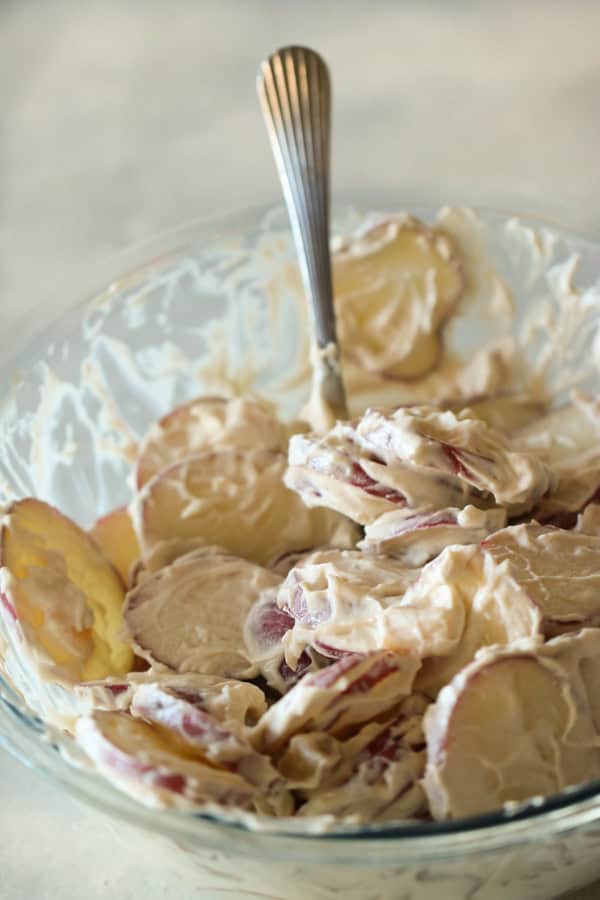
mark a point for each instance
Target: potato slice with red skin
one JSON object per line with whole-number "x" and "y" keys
{"x": 524, "y": 581}
{"x": 264, "y": 629}
{"x": 578, "y": 655}
{"x": 413, "y": 459}
{"x": 338, "y": 699}
{"x": 189, "y": 616}
{"x": 117, "y": 540}
{"x": 175, "y": 711}
{"x": 315, "y": 759}
{"x": 344, "y": 601}
{"x": 208, "y": 422}
{"x": 395, "y": 282}
{"x": 377, "y": 778}
{"x": 516, "y": 723}
{"x": 559, "y": 570}
{"x": 418, "y": 538}
{"x": 329, "y": 471}
{"x": 166, "y": 553}
{"x": 237, "y": 499}
{"x": 154, "y": 769}
{"x": 497, "y": 610}
{"x": 235, "y": 704}
{"x": 482, "y": 460}
{"x": 66, "y": 598}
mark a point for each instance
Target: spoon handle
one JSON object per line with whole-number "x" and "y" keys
{"x": 295, "y": 95}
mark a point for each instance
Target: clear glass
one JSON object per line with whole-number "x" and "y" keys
{"x": 218, "y": 307}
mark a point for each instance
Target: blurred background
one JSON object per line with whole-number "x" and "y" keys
{"x": 120, "y": 120}
{"x": 123, "y": 119}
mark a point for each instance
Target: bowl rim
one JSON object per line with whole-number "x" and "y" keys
{"x": 497, "y": 828}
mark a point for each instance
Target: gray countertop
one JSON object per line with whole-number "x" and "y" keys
{"x": 121, "y": 120}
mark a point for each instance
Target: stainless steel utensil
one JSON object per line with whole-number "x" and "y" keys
{"x": 294, "y": 91}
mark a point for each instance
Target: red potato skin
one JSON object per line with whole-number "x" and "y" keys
{"x": 425, "y": 522}
{"x": 330, "y": 652}
{"x": 119, "y": 760}
{"x": 328, "y": 676}
{"x": 107, "y": 516}
{"x": 361, "y": 480}
{"x": 443, "y": 744}
{"x": 129, "y": 766}
{"x": 184, "y": 407}
{"x": 276, "y": 622}
{"x": 189, "y": 721}
{"x": 115, "y": 758}
{"x": 200, "y": 730}
{"x": 8, "y": 605}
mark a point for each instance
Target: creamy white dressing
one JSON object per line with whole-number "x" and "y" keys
{"x": 350, "y": 602}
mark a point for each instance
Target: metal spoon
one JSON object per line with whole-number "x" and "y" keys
{"x": 295, "y": 95}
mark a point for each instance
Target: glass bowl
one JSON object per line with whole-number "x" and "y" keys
{"x": 218, "y": 308}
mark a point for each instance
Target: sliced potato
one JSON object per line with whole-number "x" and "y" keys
{"x": 375, "y": 776}
{"x": 240, "y": 422}
{"x": 328, "y": 471}
{"x": 395, "y": 285}
{"x": 418, "y": 459}
{"x": 264, "y": 629}
{"x": 178, "y": 713}
{"x": 344, "y": 601}
{"x": 67, "y": 597}
{"x": 189, "y": 616}
{"x": 338, "y": 699}
{"x": 482, "y": 460}
{"x": 237, "y": 499}
{"x": 236, "y": 704}
{"x": 418, "y": 537}
{"x": 117, "y": 540}
{"x": 568, "y": 440}
{"x": 497, "y": 610}
{"x": 156, "y": 768}
{"x": 516, "y": 723}
{"x": 558, "y": 570}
